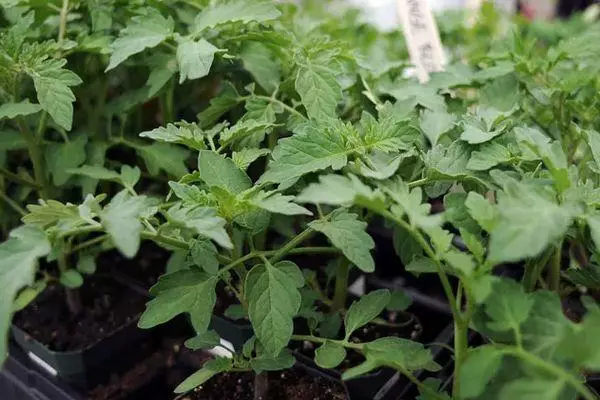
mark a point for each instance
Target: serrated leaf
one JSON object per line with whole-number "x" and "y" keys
{"x": 189, "y": 135}
{"x": 593, "y": 141}
{"x": 262, "y": 64}
{"x": 527, "y": 224}
{"x": 204, "y": 255}
{"x": 319, "y": 89}
{"x": 13, "y": 110}
{"x": 273, "y": 301}
{"x": 189, "y": 291}
{"x": 96, "y": 172}
{"x": 482, "y": 211}
{"x": 209, "y": 369}
{"x": 277, "y": 204}
{"x": 227, "y": 99}
{"x": 340, "y": 190}
{"x": 52, "y": 83}
{"x": 347, "y": 233}
{"x": 235, "y": 11}
{"x": 478, "y": 369}
{"x": 18, "y": 265}
{"x": 421, "y": 265}
{"x": 330, "y": 355}
{"x": 247, "y": 156}
{"x": 508, "y": 306}
{"x": 364, "y": 310}
{"x": 457, "y": 213}
{"x": 204, "y": 221}
{"x": 166, "y": 157}
{"x": 194, "y": 58}
{"x": 216, "y": 170}
{"x": 394, "y": 352}
{"x": 435, "y": 123}
{"x": 144, "y": 31}
{"x": 71, "y": 279}
{"x": 121, "y": 220}
{"x": 62, "y": 157}
{"x": 206, "y": 340}
{"x": 488, "y": 156}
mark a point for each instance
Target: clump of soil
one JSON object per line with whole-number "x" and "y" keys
{"x": 107, "y": 307}
{"x": 294, "y": 384}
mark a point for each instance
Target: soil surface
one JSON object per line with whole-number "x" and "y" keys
{"x": 107, "y": 306}
{"x": 294, "y": 384}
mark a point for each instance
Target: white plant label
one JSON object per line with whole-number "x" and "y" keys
{"x": 422, "y": 37}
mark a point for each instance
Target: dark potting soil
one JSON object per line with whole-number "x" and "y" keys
{"x": 294, "y": 384}
{"x": 107, "y": 306}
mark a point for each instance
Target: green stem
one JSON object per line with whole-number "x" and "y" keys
{"x": 554, "y": 273}
{"x": 281, "y": 103}
{"x": 37, "y": 159}
{"x": 460, "y": 352}
{"x": 418, "y": 182}
{"x": 88, "y": 243}
{"x": 431, "y": 394}
{"x": 18, "y": 179}
{"x": 305, "y": 234}
{"x": 533, "y": 270}
{"x": 340, "y": 294}
{"x": 315, "y": 339}
{"x": 542, "y": 364}
{"x": 62, "y": 27}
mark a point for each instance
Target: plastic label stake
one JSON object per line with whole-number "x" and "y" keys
{"x": 422, "y": 37}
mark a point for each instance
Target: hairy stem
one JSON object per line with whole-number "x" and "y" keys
{"x": 340, "y": 294}
{"x": 18, "y": 179}
{"x": 554, "y": 273}
{"x": 12, "y": 204}
{"x": 282, "y": 252}
{"x": 37, "y": 158}
{"x": 62, "y": 27}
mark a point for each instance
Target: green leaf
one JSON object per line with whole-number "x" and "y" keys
{"x": 204, "y": 221}
{"x": 394, "y": 352}
{"x": 546, "y": 327}
{"x": 121, "y": 219}
{"x": 273, "y": 301}
{"x": 339, "y": 190}
{"x": 86, "y": 264}
{"x": 219, "y": 105}
{"x": 319, "y": 89}
{"x": 364, "y": 310}
{"x": 166, "y": 157}
{"x": 501, "y": 93}
{"x": 189, "y": 135}
{"x": 52, "y": 83}
{"x": 96, "y": 172}
{"x": 476, "y": 131}
{"x": 487, "y": 156}
{"x": 478, "y": 369}
{"x": 188, "y": 291}
{"x": 146, "y": 30}
{"x": 399, "y": 301}
{"x": 235, "y": 11}
{"x": 457, "y": 213}
{"x": 247, "y": 156}
{"x": 71, "y": 279}
{"x": 581, "y": 344}
{"x": 527, "y": 224}
{"x": 27, "y": 295}
{"x": 405, "y": 245}
{"x": 262, "y": 64}
{"x": 277, "y": 203}
{"x": 235, "y": 312}
{"x": 13, "y": 110}
{"x": 18, "y": 264}
{"x": 285, "y": 360}
{"x": 348, "y": 233}
{"x": 209, "y": 369}
{"x": 533, "y": 389}
{"x": 330, "y": 355}
{"x": 594, "y": 224}
{"x": 216, "y": 170}
{"x": 204, "y": 255}
{"x": 473, "y": 244}
{"x": 482, "y": 211}
{"x": 421, "y": 265}
{"x": 62, "y": 157}
{"x": 435, "y": 123}
{"x": 508, "y": 306}
{"x": 202, "y": 341}
{"x": 593, "y": 141}
{"x": 424, "y": 95}
{"x": 194, "y": 58}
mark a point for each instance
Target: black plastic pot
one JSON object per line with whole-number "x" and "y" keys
{"x": 21, "y": 380}
{"x": 81, "y": 368}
